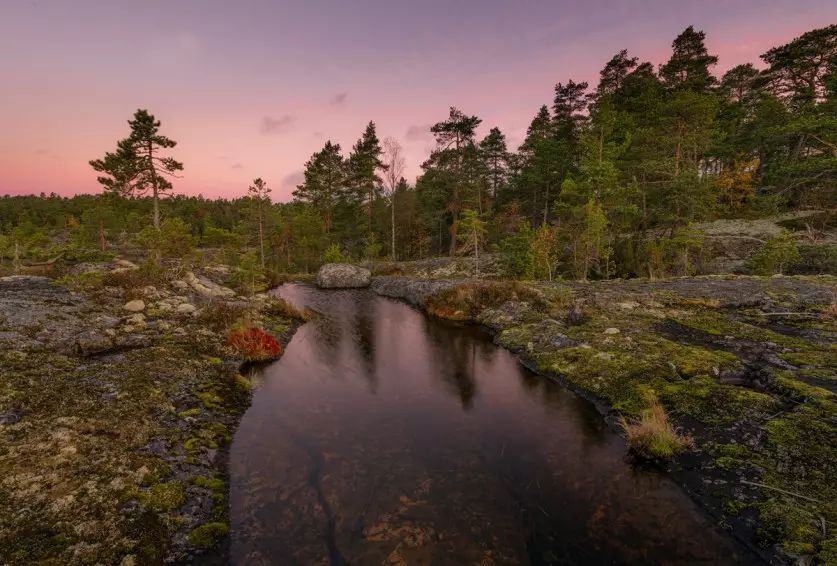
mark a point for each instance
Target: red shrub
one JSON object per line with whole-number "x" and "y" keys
{"x": 254, "y": 344}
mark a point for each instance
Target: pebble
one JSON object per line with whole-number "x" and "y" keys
{"x": 611, "y": 331}
{"x": 135, "y": 306}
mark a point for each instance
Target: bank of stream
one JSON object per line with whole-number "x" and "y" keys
{"x": 384, "y": 435}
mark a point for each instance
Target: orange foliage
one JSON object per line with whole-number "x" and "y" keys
{"x": 254, "y": 344}
{"x": 737, "y": 184}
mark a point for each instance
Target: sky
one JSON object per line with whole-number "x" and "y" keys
{"x": 251, "y": 88}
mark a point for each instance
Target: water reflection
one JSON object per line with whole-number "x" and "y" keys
{"x": 386, "y": 437}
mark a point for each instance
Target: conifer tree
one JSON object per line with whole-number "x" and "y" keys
{"x": 137, "y": 167}
{"x": 259, "y": 194}
{"x": 325, "y": 182}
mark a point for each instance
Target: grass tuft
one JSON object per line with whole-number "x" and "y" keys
{"x": 652, "y": 434}
{"x": 254, "y": 344}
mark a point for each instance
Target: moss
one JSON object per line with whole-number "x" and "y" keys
{"x": 798, "y": 390}
{"x": 729, "y": 463}
{"x": 163, "y": 496}
{"x": 733, "y": 507}
{"x": 711, "y": 402}
{"x": 821, "y": 358}
{"x": 210, "y": 398}
{"x": 208, "y": 534}
{"x": 718, "y": 323}
{"x": 190, "y": 413}
{"x": 215, "y": 483}
{"x": 242, "y": 382}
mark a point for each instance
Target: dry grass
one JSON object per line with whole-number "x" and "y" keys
{"x": 830, "y": 311}
{"x": 652, "y": 434}
{"x": 220, "y": 315}
{"x": 466, "y": 301}
{"x": 277, "y": 306}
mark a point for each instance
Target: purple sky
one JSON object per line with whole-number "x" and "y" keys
{"x": 253, "y": 87}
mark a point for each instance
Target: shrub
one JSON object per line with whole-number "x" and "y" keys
{"x": 254, "y": 344}
{"x": 652, "y": 434}
{"x": 778, "y": 253}
{"x": 818, "y": 259}
{"x": 173, "y": 239}
{"x": 334, "y": 255}
{"x": 518, "y": 257}
{"x": 466, "y": 301}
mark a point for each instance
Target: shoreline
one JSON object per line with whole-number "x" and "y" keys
{"x": 709, "y": 475}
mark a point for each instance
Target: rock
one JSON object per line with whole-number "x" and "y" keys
{"x": 9, "y": 418}
{"x": 136, "y": 320}
{"x": 186, "y": 308}
{"x": 207, "y": 287}
{"x": 126, "y": 264}
{"x": 575, "y": 316}
{"x": 149, "y": 291}
{"x": 91, "y": 342}
{"x": 180, "y": 285}
{"x": 343, "y": 276}
{"x": 611, "y": 330}
{"x": 164, "y": 306}
{"x": 137, "y": 305}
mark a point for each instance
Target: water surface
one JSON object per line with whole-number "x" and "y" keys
{"x": 384, "y": 436}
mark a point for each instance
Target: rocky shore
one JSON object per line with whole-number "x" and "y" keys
{"x": 117, "y": 399}
{"x": 747, "y": 367}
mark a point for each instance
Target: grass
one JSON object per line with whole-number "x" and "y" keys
{"x": 466, "y": 301}
{"x": 652, "y": 434}
{"x": 277, "y": 306}
{"x": 220, "y": 315}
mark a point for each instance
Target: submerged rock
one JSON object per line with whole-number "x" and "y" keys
{"x": 343, "y": 276}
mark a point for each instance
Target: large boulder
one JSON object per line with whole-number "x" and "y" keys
{"x": 343, "y": 276}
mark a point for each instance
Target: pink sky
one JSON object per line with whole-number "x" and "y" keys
{"x": 215, "y": 72}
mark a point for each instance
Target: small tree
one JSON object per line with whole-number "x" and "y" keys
{"x": 518, "y": 256}
{"x": 393, "y": 174}
{"x": 775, "y": 255}
{"x": 259, "y": 194}
{"x": 472, "y": 231}
{"x": 372, "y": 247}
{"x": 545, "y": 252}
{"x": 137, "y": 166}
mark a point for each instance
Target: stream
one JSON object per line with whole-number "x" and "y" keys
{"x": 385, "y": 436}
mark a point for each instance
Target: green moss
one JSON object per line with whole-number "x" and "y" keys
{"x": 820, "y": 358}
{"x": 728, "y": 463}
{"x": 733, "y": 507}
{"x": 243, "y": 383}
{"x": 214, "y": 483}
{"x": 717, "y": 323}
{"x": 208, "y": 534}
{"x": 798, "y": 390}
{"x": 210, "y": 398}
{"x": 163, "y": 496}
{"x": 190, "y": 412}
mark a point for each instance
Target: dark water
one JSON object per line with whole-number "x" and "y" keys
{"x": 386, "y": 437}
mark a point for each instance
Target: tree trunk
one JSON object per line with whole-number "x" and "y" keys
{"x": 392, "y": 214}
{"x": 156, "y": 206}
{"x": 155, "y": 188}
{"x": 261, "y": 239}
{"x": 477, "y": 251}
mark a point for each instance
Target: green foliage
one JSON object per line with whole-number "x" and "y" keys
{"x": 816, "y": 259}
{"x": 372, "y": 248}
{"x": 518, "y": 257}
{"x": 334, "y": 255}
{"x": 173, "y": 239}
{"x": 775, "y": 255}
{"x": 208, "y": 534}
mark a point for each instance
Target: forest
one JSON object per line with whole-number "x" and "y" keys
{"x": 609, "y": 181}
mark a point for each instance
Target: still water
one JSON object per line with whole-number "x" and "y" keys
{"x": 384, "y": 436}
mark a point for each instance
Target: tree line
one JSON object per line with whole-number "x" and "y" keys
{"x": 608, "y": 181}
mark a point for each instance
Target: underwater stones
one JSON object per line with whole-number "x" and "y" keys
{"x": 137, "y": 305}
{"x": 342, "y": 276}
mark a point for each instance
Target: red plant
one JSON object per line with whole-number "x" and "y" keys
{"x": 254, "y": 344}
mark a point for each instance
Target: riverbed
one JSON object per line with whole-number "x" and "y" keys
{"x": 385, "y": 436}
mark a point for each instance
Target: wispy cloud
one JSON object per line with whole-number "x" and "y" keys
{"x": 40, "y": 151}
{"x": 291, "y": 180}
{"x": 236, "y": 166}
{"x": 339, "y": 99}
{"x": 419, "y": 133}
{"x": 281, "y": 125}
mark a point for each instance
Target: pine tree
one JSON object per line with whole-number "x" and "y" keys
{"x": 259, "y": 194}
{"x": 454, "y": 138}
{"x": 689, "y": 65}
{"x": 137, "y": 166}
{"x": 325, "y": 182}
{"x": 363, "y": 164}
{"x": 495, "y": 155}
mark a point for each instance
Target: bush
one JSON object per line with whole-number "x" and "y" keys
{"x": 818, "y": 259}
{"x": 775, "y": 256}
{"x": 173, "y": 239}
{"x": 466, "y": 301}
{"x": 518, "y": 257}
{"x": 254, "y": 344}
{"x": 220, "y": 315}
{"x": 334, "y": 255}
{"x": 652, "y": 434}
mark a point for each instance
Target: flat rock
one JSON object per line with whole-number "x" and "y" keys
{"x": 186, "y": 308}
{"x": 137, "y": 305}
{"x": 343, "y": 276}
{"x": 207, "y": 287}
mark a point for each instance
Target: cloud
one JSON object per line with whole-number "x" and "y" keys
{"x": 236, "y": 166}
{"x": 319, "y": 135}
{"x": 271, "y": 125}
{"x": 40, "y": 151}
{"x": 339, "y": 99}
{"x": 293, "y": 179}
{"x": 419, "y": 133}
